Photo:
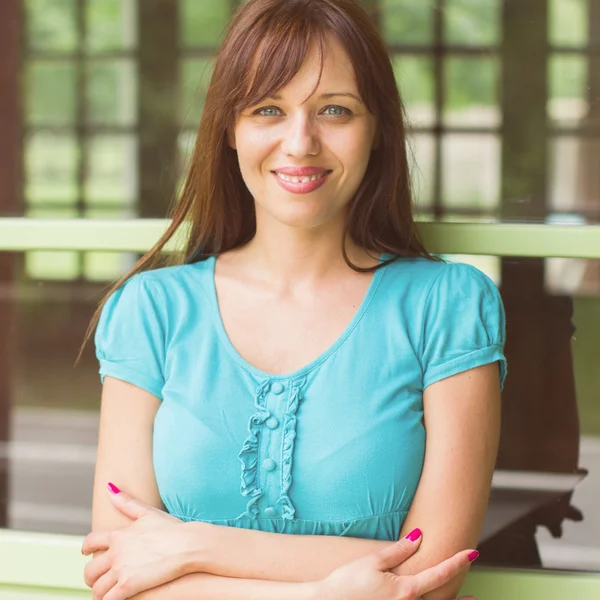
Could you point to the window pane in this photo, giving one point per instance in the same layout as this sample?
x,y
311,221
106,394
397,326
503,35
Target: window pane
x,y
112,93
572,276
203,23
106,266
110,25
57,266
472,92
421,158
568,89
407,22
51,98
472,22
574,185
112,170
471,172
569,22
195,76
51,25
415,81
51,168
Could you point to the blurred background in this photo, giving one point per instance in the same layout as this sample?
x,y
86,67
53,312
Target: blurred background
x,y
99,105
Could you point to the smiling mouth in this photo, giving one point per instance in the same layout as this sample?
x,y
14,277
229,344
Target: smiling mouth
x,y
307,179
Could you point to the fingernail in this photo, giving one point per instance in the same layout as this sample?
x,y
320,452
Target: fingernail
x,y
473,555
414,535
113,488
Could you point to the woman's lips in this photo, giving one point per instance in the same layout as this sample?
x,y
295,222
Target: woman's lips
x,y
302,188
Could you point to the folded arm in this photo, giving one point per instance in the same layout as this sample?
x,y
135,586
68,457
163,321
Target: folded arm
x,y
201,585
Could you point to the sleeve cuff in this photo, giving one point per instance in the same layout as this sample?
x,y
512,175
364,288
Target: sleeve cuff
x,y
118,371
465,362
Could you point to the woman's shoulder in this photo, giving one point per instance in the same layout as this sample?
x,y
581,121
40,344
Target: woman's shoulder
x,y
160,292
172,275
424,273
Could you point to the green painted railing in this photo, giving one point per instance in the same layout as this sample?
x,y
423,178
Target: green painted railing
x,y
43,567
496,239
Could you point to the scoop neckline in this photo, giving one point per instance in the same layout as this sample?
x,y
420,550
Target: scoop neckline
x,y
301,371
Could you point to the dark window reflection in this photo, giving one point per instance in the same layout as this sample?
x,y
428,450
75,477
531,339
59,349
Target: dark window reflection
x,y
49,410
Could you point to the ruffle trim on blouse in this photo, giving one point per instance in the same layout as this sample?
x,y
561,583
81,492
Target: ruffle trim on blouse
x,y
289,436
248,455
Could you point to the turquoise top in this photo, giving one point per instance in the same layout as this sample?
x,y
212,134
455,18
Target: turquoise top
x,y
334,448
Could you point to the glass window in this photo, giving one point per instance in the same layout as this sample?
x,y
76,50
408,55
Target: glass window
x,y
472,22
111,97
472,92
568,22
471,172
568,99
111,25
415,78
404,22
195,79
203,23
51,25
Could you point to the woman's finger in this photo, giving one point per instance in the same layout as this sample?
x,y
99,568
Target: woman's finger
x,y
95,569
104,585
149,578
435,577
126,504
391,556
97,540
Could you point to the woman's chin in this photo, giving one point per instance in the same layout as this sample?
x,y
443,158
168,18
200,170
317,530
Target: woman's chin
x,y
305,216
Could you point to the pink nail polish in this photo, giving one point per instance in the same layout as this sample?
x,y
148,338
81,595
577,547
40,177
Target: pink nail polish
x,y
473,555
113,488
414,535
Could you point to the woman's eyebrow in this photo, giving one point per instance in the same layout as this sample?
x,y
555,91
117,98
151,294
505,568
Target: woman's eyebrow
x,y
330,95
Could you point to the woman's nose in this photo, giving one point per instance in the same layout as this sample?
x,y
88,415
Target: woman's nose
x,y
301,137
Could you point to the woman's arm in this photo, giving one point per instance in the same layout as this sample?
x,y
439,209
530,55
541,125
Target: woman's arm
x,y
202,585
462,419
368,577
250,554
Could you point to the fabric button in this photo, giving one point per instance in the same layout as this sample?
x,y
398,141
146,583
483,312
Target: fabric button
x,y
270,512
277,387
272,423
269,464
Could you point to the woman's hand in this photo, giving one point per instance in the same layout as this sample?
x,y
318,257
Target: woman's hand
x,y
147,553
371,577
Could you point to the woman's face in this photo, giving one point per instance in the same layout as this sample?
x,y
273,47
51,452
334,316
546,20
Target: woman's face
x,y
335,134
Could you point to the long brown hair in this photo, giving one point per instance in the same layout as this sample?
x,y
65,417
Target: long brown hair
x,y
264,48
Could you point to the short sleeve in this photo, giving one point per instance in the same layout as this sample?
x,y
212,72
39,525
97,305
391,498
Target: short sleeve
x,y
464,324
130,340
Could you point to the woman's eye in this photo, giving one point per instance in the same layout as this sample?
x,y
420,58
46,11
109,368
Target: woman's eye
x,y
261,111
270,111
344,111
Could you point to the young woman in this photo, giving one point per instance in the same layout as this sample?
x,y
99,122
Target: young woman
x,y
272,392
